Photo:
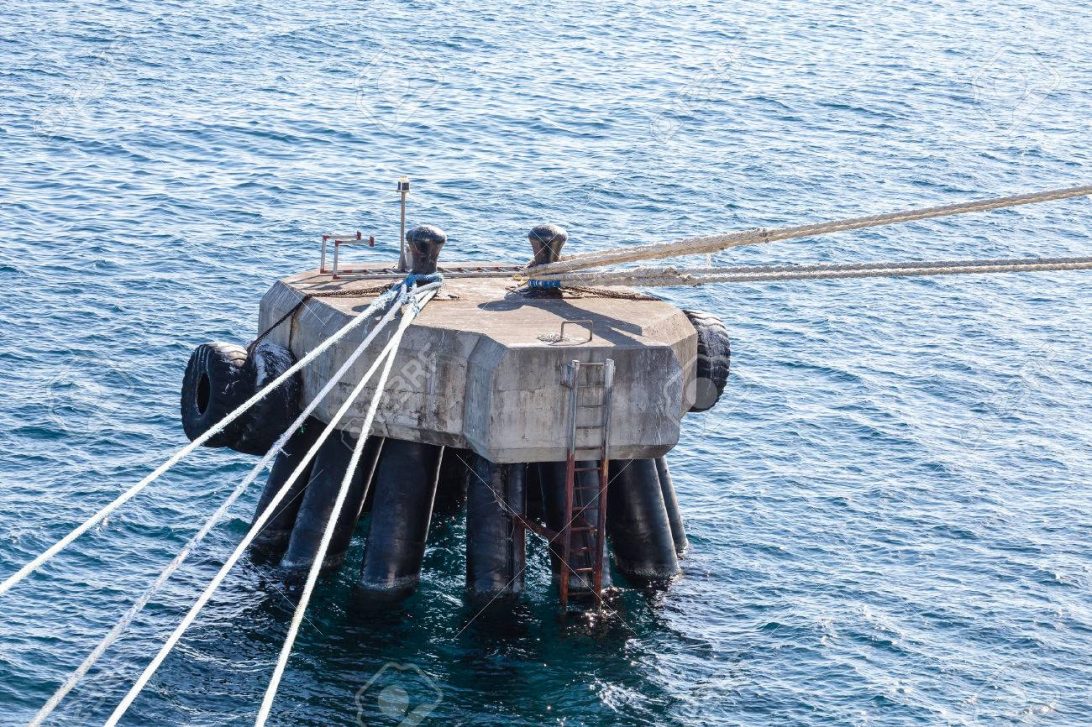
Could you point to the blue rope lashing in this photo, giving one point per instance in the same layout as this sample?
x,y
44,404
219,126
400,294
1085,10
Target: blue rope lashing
x,y
417,279
544,284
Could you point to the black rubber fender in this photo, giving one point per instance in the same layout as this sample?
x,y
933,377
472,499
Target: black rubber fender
x,y
496,554
638,524
213,386
713,360
270,544
317,504
270,417
405,490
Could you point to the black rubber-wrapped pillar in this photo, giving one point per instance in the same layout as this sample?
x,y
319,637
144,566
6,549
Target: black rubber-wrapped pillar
x,y
451,488
272,541
405,489
640,533
535,509
671,502
318,500
495,539
551,477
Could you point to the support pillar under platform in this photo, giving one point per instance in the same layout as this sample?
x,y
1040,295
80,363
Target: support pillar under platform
x,y
495,536
405,489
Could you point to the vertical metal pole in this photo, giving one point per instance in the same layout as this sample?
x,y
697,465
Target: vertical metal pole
x,y
570,476
604,481
403,191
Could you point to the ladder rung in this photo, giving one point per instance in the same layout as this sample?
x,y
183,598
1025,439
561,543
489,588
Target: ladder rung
x,y
582,570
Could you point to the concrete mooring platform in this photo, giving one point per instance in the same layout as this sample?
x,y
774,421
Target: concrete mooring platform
x,y
530,408
481,367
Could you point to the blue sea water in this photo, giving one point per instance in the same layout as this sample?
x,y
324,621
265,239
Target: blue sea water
x,y
889,512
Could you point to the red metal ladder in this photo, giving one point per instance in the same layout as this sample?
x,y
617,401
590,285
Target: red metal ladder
x,y
590,386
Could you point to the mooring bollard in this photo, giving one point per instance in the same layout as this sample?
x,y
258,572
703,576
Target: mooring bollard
x,y
425,243
546,243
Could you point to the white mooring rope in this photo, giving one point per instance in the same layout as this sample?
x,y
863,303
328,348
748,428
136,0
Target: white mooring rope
x,y
707,244
258,525
177,456
339,503
670,276
398,294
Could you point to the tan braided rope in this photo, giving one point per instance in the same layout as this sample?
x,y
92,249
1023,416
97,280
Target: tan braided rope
x,y
706,244
658,277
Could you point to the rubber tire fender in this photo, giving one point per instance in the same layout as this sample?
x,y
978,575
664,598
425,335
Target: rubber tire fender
x,y
213,386
270,417
713,361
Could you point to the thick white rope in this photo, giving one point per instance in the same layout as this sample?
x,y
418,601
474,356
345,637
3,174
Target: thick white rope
x,y
138,605
707,244
258,525
339,503
648,271
398,293
177,456
663,277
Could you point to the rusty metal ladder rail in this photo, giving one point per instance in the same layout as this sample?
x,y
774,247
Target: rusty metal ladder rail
x,y
605,385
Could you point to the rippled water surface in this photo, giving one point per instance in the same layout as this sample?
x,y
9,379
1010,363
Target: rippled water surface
x,y
889,513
